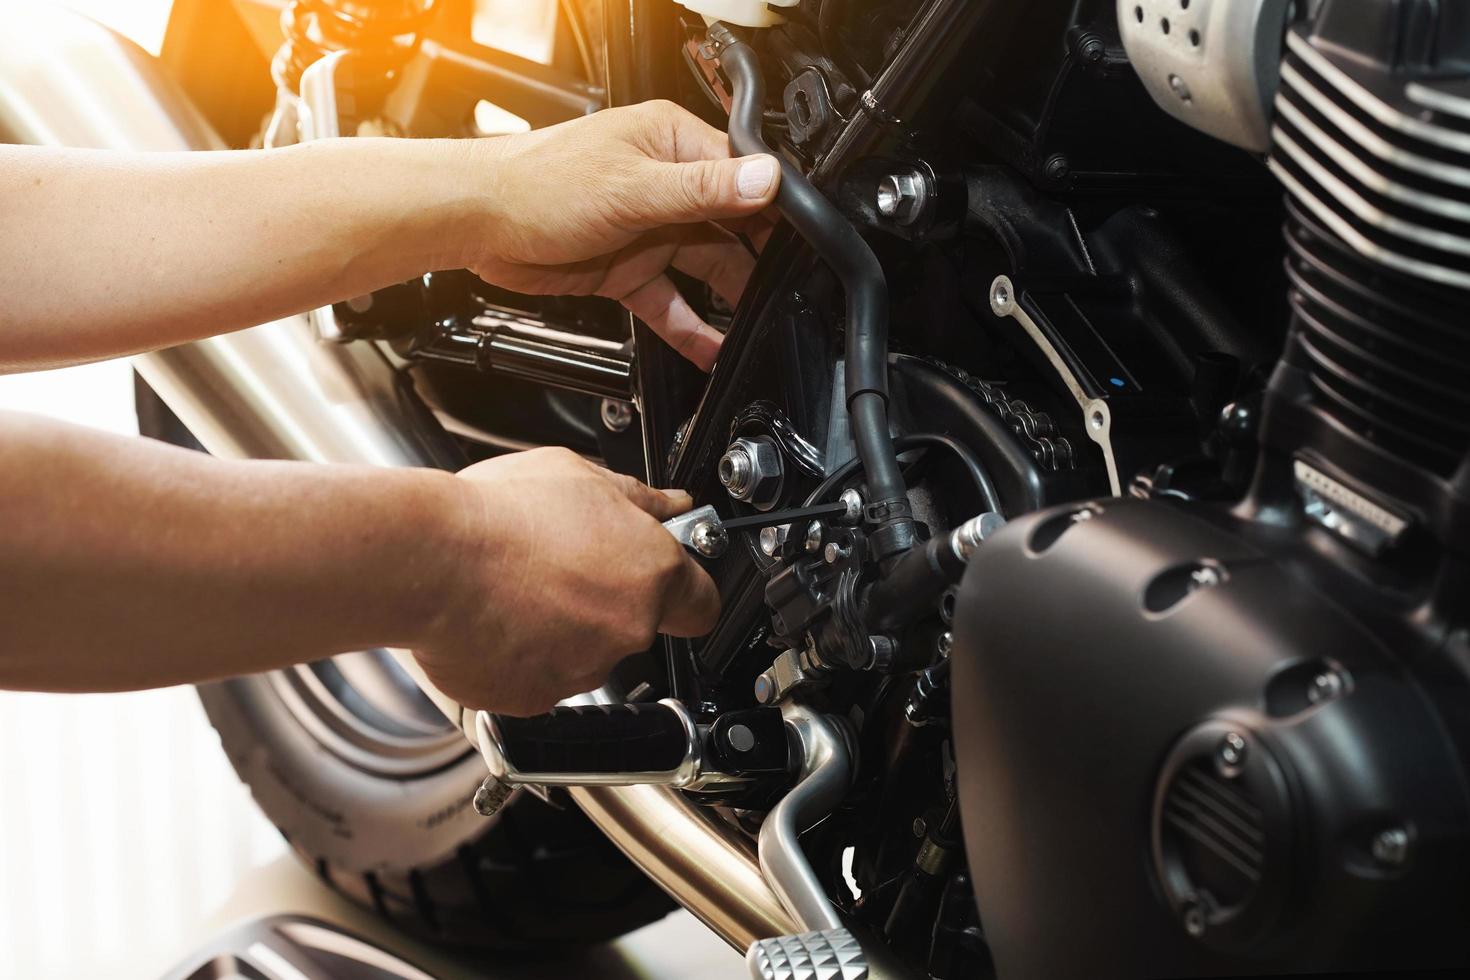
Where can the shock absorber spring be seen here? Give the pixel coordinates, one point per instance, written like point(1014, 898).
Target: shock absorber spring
point(383, 33)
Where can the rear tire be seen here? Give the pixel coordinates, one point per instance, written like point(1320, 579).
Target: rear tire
point(394, 830)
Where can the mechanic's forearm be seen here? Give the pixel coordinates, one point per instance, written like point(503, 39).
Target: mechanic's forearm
point(114, 253)
point(126, 563)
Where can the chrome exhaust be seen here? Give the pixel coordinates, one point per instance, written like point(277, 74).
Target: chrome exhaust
point(275, 391)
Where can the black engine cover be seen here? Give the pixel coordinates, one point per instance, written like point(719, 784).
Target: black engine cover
point(1178, 759)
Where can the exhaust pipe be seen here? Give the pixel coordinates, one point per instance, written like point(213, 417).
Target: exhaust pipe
point(275, 392)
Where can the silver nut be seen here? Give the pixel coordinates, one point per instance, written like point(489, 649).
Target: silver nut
point(709, 539)
point(901, 197)
point(617, 416)
point(751, 471)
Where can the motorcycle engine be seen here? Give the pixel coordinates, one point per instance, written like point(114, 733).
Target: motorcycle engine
point(1199, 739)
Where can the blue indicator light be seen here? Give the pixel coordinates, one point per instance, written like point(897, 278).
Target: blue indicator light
point(1118, 382)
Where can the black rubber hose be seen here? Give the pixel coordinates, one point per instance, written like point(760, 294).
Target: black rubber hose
point(843, 249)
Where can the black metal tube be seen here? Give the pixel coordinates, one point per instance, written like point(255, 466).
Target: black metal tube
point(839, 244)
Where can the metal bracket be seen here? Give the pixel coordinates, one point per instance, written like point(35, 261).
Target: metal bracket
point(1097, 418)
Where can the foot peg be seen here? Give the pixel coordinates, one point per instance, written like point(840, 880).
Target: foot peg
point(626, 745)
point(833, 954)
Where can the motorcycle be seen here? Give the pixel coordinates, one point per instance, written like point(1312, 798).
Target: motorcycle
point(1084, 474)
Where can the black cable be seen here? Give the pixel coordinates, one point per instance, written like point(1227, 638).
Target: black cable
point(973, 467)
point(843, 249)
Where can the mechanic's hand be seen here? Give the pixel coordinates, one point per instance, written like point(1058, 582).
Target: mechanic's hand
point(607, 203)
point(568, 572)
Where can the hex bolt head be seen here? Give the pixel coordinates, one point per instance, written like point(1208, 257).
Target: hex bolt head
point(1231, 753)
point(772, 538)
point(741, 738)
point(1391, 847)
point(901, 196)
point(751, 471)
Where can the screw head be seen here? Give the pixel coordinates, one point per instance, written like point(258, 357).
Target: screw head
point(1056, 167)
point(853, 501)
point(1180, 89)
point(1391, 847)
point(1231, 752)
point(834, 553)
point(920, 828)
point(709, 539)
point(946, 643)
point(813, 540)
point(741, 738)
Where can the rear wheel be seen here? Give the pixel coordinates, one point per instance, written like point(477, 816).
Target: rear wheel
point(372, 787)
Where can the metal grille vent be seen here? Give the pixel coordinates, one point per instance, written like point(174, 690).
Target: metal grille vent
point(1218, 834)
point(1377, 172)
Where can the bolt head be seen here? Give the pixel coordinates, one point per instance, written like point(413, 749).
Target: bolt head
point(709, 539)
point(751, 470)
point(901, 196)
point(834, 553)
point(741, 738)
point(765, 689)
point(813, 541)
point(617, 416)
point(946, 643)
point(1326, 686)
point(1391, 847)
point(1180, 89)
point(772, 538)
point(1192, 917)
point(853, 501)
point(920, 828)
point(1231, 753)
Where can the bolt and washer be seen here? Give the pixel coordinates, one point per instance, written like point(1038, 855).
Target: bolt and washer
point(709, 539)
point(901, 196)
point(1391, 847)
point(617, 416)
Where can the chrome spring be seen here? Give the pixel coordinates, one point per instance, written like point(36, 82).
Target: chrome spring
point(384, 32)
